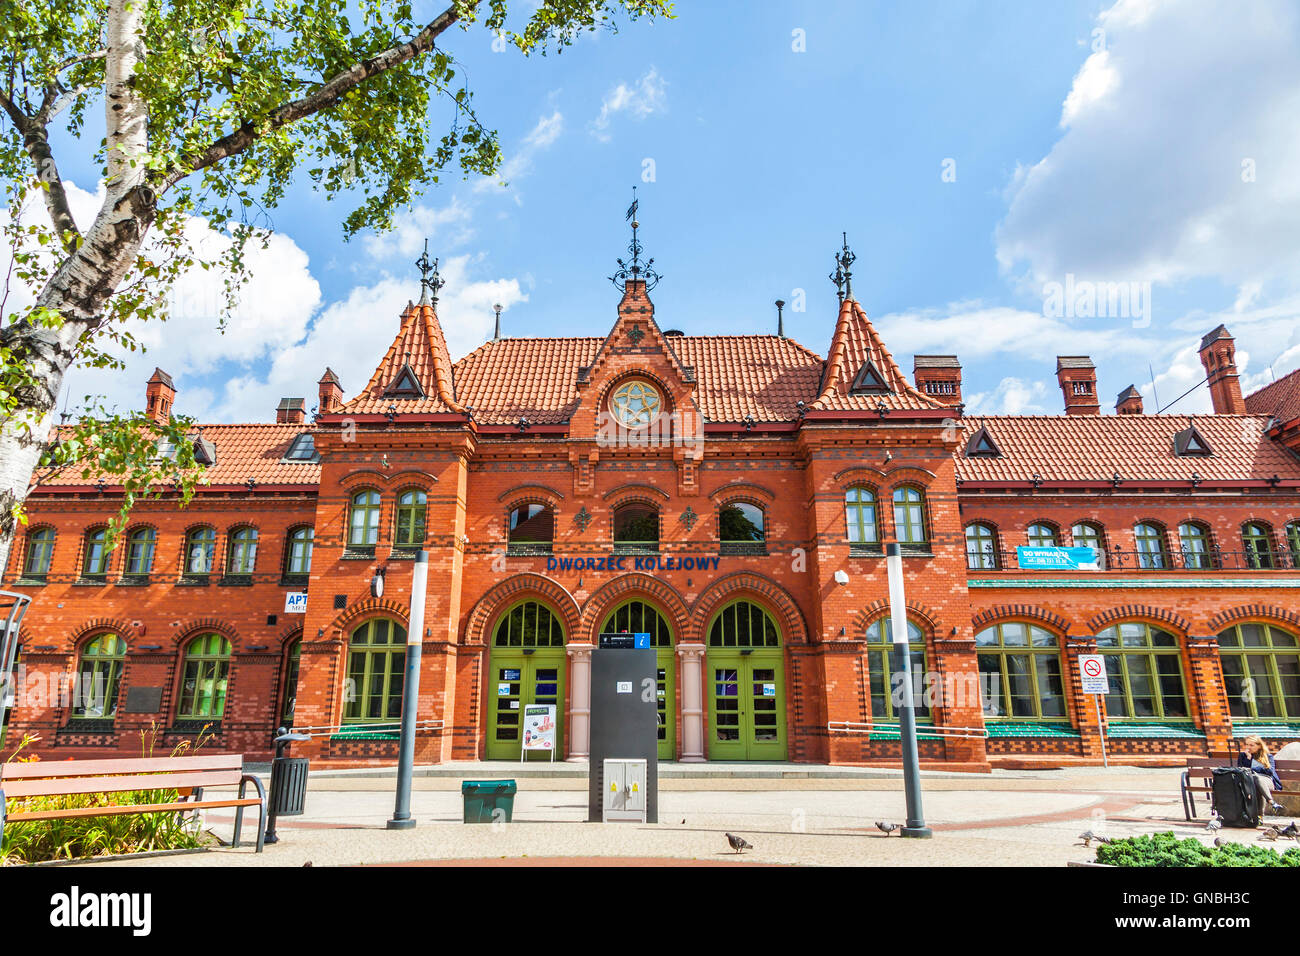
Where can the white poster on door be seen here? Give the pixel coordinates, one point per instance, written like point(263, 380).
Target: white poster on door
point(539, 727)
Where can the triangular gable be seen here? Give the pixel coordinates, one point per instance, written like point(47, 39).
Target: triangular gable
point(869, 381)
point(404, 385)
point(1191, 442)
point(982, 445)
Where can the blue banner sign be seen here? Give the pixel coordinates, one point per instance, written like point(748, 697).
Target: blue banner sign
point(1058, 559)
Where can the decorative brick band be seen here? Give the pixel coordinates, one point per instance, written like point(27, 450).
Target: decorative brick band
point(1138, 611)
point(188, 629)
point(636, 584)
point(880, 607)
point(746, 583)
point(1245, 611)
point(1010, 612)
point(487, 608)
point(371, 607)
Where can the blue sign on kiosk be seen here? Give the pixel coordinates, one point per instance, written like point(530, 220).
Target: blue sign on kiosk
point(625, 639)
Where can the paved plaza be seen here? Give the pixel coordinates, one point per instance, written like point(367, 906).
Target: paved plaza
point(801, 816)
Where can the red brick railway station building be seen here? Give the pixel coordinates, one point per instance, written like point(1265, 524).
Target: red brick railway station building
point(728, 495)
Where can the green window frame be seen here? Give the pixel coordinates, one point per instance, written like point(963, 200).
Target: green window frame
point(1021, 675)
point(242, 555)
point(204, 679)
point(376, 672)
point(1145, 668)
point(1149, 540)
point(981, 547)
point(40, 551)
point(1261, 671)
point(639, 617)
point(1194, 543)
point(363, 520)
point(99, 677)
point(95, 563)
point(1041, 535)
point(200, 550)
point(1293, 542)
point(1086, 535)
point(910, 525)
point(862, 518)
point(1257, 540)
point(529, 624)
point(140, 548)
point(298, 557)
point(531, 529)
point(291, 668)
point(880, 672)
point(412, 507)
point(744, 624)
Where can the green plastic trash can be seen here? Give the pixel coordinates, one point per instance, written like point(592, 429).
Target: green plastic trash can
point(484, 797)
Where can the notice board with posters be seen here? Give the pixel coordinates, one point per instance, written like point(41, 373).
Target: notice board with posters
point(539, 728)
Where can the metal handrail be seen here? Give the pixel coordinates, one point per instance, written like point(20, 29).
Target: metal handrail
point(326, 730)
point(931, 731)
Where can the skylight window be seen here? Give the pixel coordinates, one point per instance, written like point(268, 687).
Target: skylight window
point(302, 449)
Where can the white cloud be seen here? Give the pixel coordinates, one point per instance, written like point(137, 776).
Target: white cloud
point(645, 98)
point(447, 228)
point(1012, 396)
point(541, 137)
point(1163, 130)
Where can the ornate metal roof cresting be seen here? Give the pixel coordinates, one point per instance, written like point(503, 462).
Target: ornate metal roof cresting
point(635, 271)
point(430, 280)
point(842, 276)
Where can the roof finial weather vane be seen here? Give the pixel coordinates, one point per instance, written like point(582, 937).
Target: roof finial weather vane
point(842, 277)
point(430, 280)
point(635, 271)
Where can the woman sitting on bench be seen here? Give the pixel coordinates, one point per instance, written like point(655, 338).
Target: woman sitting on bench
point(1255, 756)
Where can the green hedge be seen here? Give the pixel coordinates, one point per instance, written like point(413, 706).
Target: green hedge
point(1165, 849)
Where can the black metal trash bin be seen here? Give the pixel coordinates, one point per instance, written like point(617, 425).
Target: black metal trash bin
point(288, 792)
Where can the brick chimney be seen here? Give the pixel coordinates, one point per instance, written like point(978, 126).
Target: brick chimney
point(1129, 402)
point(331, 393)
point(290, 411)
point(1078, 379)
point(159, 395)
point(1219, 356)
point(938, 376)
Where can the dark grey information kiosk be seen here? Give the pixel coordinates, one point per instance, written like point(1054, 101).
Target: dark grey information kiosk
point(624, 727)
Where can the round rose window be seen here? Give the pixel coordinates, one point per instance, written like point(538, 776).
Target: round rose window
point(636, 404)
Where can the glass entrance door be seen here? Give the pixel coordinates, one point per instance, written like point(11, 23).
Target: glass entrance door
point(515, 681)
point(746, 706)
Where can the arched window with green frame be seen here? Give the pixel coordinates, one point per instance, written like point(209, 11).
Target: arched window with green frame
point(1293, 542)
point(981, 547)
point(40, 549)
point(1149, 539)
point(204, 677)
point(200, 550)
point(96, 555)
point(363, 519)
point(910, 525)
point(1145, 669)
point(1194, 543)
point(1020, 672)
point(412, 506)
point(298, 552)
point(290, 693)
point(881, 667)
point(862, 519)
point(1257, 539)
point(241, 556)
point(139, 551)
point(1042, 535)
point(99, 675)
point(376, 671)
point(1261, 671)
point(530, 624)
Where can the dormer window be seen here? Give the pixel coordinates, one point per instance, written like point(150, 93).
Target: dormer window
point(982, 445)
point(869, 381)
point(303, 448)
point(405, 385)
point(1190, 442)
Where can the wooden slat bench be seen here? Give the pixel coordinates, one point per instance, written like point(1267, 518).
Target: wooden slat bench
point(1199, 777)
point(187, 775)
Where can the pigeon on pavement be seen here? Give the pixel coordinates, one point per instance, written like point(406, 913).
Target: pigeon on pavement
point(738, 843)
point(886, 828)
point(1291, 830)
point(1270, 834)
point(1218, 841)
point(1216, 822)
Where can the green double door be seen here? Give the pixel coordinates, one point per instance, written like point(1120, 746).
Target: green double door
point(515, 680)
point(746, 704)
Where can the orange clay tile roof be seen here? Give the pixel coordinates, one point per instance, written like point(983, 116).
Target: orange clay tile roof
point(421, 348)
point(762, 376)
point(1137, 447)
point(1281, 399)
point(243, 452)
point(854, 343)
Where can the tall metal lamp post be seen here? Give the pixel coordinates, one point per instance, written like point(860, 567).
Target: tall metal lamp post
point(915, 826)
point(411, 694)
point(12, 608)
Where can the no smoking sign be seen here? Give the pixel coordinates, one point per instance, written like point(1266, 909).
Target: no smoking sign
point(1092, 673)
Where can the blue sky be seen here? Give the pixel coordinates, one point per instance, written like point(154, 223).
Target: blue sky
point(974, 152)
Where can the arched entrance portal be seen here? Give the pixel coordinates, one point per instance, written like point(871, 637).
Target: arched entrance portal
point(745, 672)
point(526, 666)
point(638, 617)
